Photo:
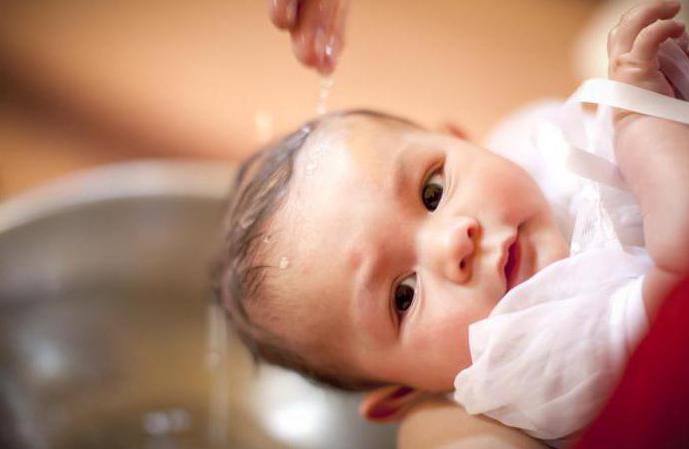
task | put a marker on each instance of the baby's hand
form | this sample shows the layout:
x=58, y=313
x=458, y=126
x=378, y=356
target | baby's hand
x=316, y=28
x=633, y=46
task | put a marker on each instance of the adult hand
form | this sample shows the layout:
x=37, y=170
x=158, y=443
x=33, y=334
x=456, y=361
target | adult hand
x=316, y=28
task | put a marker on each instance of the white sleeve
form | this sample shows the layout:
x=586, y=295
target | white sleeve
x=548, y=355
x=628, y=319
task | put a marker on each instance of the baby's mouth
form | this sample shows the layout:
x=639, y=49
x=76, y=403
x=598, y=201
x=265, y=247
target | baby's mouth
x=512, y=265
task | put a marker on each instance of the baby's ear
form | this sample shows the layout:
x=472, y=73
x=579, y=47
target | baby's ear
x=387, y=404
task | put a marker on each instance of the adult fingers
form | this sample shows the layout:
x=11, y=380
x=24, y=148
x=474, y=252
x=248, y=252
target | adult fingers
x=304, y=33
x=335, y=41
x=622, y=37
x=318, y=37
x=283, y=13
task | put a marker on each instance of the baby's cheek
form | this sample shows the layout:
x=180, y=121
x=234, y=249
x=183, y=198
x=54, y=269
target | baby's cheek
x=556, y=248
x=548, y=241
x=436, y=365
x=451, y=341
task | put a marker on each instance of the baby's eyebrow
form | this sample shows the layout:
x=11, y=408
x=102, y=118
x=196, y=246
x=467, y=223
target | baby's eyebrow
x=399, y=182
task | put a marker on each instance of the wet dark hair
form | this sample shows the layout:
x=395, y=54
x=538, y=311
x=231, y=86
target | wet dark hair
x=259, y=188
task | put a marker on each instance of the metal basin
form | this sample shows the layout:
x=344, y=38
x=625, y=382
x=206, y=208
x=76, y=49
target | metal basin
x=107, y=335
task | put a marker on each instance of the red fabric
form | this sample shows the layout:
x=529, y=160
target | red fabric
x=650, y=407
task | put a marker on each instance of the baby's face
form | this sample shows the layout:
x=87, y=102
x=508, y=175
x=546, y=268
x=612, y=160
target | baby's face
x=397, y=240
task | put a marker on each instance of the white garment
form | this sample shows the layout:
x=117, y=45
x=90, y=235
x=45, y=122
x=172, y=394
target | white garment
x=546, y=357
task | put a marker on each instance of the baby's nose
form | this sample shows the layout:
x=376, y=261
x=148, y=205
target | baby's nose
x=451, y=247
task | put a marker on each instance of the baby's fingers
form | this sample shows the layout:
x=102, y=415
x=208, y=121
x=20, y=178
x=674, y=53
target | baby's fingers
x=649, y=39
x=683, y=41
x=673, y=56
x=622, y=38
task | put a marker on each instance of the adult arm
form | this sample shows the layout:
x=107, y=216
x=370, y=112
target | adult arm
x=441, y=424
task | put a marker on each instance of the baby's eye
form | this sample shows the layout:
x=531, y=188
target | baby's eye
x=404, y=294
x=432, y=191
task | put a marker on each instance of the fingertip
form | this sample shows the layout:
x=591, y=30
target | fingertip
x=671, y=6
x=302, y=46
x=325, y=69
x=683, y=41
x=291, y=13
x=278, y=21
x=332, y=52
x=283, y=13
x=679, y=29
x=324, y=52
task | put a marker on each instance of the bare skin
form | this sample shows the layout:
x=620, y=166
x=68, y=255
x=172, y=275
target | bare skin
x=398, y=239
x=316, y=28
x=653, y=154
x=440, y=424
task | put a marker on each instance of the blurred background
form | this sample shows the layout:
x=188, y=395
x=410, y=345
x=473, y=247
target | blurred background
x=120, y=122
x=87, y=83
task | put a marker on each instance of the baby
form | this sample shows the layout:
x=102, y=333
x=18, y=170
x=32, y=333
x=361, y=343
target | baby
x=369, y=253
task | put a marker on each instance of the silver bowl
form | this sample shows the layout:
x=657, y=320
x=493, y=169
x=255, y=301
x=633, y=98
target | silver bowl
x=108, y=337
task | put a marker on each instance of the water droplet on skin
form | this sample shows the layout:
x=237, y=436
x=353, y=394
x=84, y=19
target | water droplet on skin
x=246, y=221
x=311, y=167
x=284, y=262
x=330, y=49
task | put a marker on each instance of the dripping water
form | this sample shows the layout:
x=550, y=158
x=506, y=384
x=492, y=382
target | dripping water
x=324, y=92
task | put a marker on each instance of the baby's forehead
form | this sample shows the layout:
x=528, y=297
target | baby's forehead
x=356, y=128
x=355, y=141
x=322, y=170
